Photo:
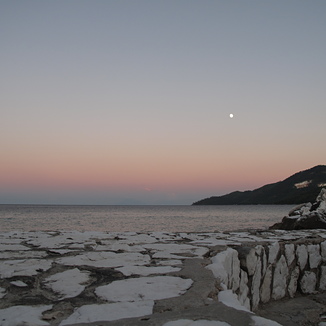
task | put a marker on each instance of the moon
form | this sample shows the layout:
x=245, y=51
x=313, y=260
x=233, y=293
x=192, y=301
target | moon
x=231, y=115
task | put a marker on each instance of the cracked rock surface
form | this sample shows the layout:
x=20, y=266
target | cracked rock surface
x=102, y=278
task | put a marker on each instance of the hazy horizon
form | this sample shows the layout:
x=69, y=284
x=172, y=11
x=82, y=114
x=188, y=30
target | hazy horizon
x=129, y=102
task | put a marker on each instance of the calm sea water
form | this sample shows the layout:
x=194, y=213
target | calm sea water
x=139, y=218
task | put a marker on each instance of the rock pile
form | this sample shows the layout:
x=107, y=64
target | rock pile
x=306, y=216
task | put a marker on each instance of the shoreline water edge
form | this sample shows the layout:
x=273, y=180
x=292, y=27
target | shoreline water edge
x=139, y=218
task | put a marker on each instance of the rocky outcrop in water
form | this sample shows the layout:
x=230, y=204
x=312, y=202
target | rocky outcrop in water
x=306, y=216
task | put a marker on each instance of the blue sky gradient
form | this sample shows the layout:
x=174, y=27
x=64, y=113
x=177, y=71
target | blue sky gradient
x=118, y=102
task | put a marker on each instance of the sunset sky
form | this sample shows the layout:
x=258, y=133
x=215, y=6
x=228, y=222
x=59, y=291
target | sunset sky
x=128, y=102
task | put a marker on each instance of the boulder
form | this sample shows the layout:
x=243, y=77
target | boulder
x=300, y=209
x=306, y=216
x=322, y=196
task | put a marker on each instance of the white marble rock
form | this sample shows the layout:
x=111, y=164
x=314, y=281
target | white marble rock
x=322, y=282
x=126, y=252
x=279, y=281
x=244, y=290
x=255, y=286
x=175, y=251
x=302, y=256
x=293, y=283
x=248, y=259
x=105, y=259
x=145, y=271
x=264, y=263
x=109, y=312
x=289, y=253
x=226, y=267
x=144, y=288
x=230, y=299
x=13, y=247
x=20, y=284
x=67, y=284
x=314, y=255
x=273, y=251
x=323, y=250
x=265, y=290
x=308, y=282
x=23, y=267
x=24, y=315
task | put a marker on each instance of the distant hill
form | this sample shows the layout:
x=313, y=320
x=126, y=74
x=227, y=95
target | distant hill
x=299, y=188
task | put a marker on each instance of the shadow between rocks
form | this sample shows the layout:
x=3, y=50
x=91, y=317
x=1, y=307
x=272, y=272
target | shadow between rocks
x=198, y=303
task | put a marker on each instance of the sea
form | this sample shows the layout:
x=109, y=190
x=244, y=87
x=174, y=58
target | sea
x=139, y=218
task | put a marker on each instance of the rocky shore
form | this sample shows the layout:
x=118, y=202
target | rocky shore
x=306, y=216
x=170, y=279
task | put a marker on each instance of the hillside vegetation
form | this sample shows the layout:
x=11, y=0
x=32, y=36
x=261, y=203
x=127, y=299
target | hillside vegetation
x=299, y=188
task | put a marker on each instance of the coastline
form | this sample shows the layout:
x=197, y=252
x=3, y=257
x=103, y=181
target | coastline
x=156, y=278
x=140, y=218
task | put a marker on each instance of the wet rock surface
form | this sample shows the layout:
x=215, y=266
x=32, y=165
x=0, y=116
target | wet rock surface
x=99, y=278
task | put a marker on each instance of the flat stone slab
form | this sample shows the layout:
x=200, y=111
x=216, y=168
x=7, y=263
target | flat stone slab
x=86, y=278
x=67, y=284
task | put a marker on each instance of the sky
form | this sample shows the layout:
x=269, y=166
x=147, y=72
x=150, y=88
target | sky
x=129, y=102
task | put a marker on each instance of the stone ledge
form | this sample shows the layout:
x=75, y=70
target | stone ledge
x=272, y=271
